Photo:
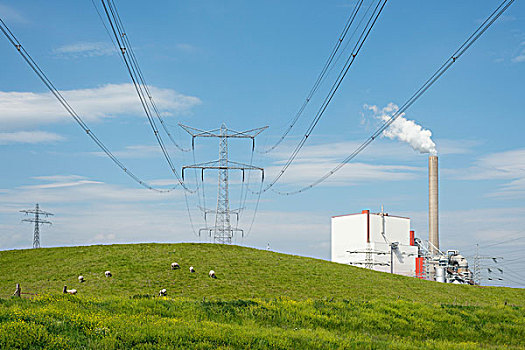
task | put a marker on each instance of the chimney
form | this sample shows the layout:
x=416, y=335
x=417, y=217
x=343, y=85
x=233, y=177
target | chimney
x=433, y=204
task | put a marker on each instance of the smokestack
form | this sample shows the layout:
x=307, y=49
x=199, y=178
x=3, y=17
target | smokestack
x=433, y=204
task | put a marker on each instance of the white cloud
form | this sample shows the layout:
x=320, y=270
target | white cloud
x=187, y=48
x=315, y=161
x=134, y=152
x=58, y=178
x=78, y=189
x=507, y=165
x=304, y=173
x=63, y=184
x=28, y=137
x=85, y=49
x=501, y=165
x=28, y=108
x=521, y=56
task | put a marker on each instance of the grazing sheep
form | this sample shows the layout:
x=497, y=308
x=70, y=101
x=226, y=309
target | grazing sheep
x=175, y=266
x=69, y=291
x=212, y=274
x=108, y=273
x=81, y=279
x=192, y=269
x=163, y=292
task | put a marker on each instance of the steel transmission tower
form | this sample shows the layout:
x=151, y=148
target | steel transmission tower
x=223, y=231
x=38, y=221
x=478, y=265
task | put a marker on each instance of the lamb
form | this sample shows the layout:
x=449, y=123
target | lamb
x=175, y=266
x=81, y=279
x=108, y=273
x=163, y=292
x=69, y=291
x=192, y=269
x=212, y=274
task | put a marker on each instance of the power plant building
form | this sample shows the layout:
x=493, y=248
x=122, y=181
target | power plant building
x=378, y=241
x=384, y=242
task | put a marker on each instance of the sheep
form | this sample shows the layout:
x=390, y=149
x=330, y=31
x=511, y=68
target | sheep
x=69, y=291
x=212, y=274
x=81, y=279
x=192, y=269
x=163, y=292
x=108, y=273
x=175, y=266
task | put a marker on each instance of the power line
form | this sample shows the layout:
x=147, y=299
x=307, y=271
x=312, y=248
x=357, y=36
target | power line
x=498, y=240
x=355, y=51
x=43, y=77
x=146, y=88
x=138, y=82
x=444, y=67
x=503, y=242
x=257, y=202
x=321, y=75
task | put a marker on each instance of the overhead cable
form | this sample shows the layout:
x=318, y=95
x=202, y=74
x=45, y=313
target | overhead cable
x=139, y=83
x=321, y=76
x=355, y=51
x=47, y=82
x=448, y=63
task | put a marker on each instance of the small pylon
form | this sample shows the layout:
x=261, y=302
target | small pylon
x=38, y=221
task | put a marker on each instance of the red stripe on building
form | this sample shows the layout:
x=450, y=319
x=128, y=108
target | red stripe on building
x=367, y=212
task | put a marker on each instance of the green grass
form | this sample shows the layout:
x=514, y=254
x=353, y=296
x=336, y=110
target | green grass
x=260, y=299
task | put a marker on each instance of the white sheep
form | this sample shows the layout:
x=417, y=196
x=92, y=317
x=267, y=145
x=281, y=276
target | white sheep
x=212, y=274
x=175, y=266
x=81, y=279
x=163, y=292
x=69, y=291
x=108, y=273
x=192, y=269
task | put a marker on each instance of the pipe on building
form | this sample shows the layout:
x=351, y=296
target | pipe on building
x=433, y=203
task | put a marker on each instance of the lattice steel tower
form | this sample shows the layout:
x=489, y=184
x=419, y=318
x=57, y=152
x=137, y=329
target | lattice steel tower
x=223, y=231
x=38, y=221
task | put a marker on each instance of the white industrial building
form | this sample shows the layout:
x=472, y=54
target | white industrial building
x=385, y=242
x=377, y=241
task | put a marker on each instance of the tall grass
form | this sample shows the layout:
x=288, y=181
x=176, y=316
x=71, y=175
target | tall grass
x=73, y=322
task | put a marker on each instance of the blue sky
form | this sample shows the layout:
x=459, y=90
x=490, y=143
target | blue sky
x=252, y=64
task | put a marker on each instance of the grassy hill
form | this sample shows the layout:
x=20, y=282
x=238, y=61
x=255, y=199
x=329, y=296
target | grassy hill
x=260, y=299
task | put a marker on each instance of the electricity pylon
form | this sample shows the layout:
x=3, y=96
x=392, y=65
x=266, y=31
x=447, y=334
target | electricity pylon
x=38, y=221
x=476, y=273
x=223, y=231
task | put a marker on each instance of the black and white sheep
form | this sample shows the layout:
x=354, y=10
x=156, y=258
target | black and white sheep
x=108, y=274
x=163, y=292
x=212, y=274
x=192, y=269
x=175, y=266
x=81, y=279
x=69, y=291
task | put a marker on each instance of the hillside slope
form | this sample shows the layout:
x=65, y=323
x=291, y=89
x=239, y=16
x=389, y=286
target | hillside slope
x=260, y=300
x=140, y=269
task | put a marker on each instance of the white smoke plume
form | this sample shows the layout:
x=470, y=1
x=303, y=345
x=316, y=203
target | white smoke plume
x=405, y=130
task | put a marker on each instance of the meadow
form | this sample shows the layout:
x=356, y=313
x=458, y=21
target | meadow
x=260, y=300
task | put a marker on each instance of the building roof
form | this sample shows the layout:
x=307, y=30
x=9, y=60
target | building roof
x=363, y=213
